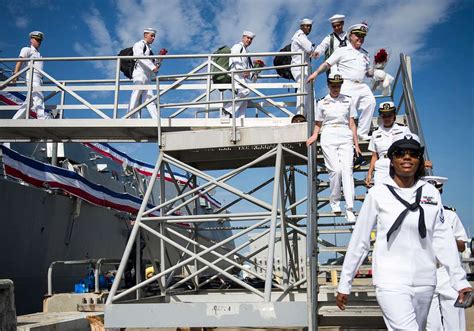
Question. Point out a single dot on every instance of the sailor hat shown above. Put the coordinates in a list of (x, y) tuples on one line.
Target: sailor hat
[(360, 28), (37, 35), (248, 34), (149, 30), (335, 78), (336, 18), (306, 21), (409, 141), (436, 179), (386, 107)]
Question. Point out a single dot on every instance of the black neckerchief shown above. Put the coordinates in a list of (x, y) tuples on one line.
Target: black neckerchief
[(409, 206)]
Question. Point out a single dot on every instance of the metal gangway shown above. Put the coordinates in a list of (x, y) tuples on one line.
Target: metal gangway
[(270, 267)]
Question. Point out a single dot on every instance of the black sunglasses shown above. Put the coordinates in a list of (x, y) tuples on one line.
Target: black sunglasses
[(399, 153)]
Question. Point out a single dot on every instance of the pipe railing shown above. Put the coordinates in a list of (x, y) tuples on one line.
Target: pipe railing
[(71, 86)]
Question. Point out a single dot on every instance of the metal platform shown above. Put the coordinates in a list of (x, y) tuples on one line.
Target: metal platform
[(117, 130)]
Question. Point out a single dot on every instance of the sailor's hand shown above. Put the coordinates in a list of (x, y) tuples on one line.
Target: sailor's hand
[(341, 300), (368, 180), (311, 78), (463, 292), (314, 55), (311, 140), (156, 68), (246, 74), (428, 164), (358, 152)]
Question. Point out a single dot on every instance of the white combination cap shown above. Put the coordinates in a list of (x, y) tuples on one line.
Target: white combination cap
[(149, 30), (335, 78), (386, 106), (361, 28), (306, 21), (248, 34), (437, 179), (37, 35), (336, 18)]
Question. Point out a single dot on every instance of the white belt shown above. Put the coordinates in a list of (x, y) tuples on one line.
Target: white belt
[(335, 126)]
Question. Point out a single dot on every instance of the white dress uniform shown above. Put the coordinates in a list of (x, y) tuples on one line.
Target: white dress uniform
[(353, 64), (337, 144), (142, 74), (380, 141), (37, 105), (239, 63), (301, 43), (404, 266), (443, 315)]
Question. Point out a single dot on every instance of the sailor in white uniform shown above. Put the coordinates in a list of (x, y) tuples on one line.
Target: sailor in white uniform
[(381, 139), (241, 63), (412, 237), (37, 100), (334, 117), (144, 71), (300, 43), (443, 315), (337, 38), (353, 63)]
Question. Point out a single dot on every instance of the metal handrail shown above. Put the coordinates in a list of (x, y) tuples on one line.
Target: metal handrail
[(97, 265)]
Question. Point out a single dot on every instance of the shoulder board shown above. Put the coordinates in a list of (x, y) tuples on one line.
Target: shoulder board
[(375, 129), (401, 124), (449, 208), (345, 95), (320, 99), (364, 51)]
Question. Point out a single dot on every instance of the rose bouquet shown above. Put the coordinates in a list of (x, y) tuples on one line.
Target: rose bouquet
[(381, 58), (163, 51), (258, 64)]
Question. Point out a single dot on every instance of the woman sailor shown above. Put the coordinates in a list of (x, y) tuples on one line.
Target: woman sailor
[(334, 117), (380, 141), (411, 237)]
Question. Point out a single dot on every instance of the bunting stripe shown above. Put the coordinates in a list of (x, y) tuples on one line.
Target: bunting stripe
[(44, 175)]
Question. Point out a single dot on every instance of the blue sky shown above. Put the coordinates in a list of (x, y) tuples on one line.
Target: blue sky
[(437, 34)]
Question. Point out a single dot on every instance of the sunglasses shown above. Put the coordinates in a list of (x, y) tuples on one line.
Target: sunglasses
[(435, 184), (399, 153)]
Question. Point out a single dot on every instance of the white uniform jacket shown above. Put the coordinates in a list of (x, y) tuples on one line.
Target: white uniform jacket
[(351, 63), (32, 53), (300, 43), (145, 66), (406, 259), (335, 111), (241, 62), (324, 45)]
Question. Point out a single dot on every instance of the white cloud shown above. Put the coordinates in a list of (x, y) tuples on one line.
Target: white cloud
[(21, 22), (186, 26)]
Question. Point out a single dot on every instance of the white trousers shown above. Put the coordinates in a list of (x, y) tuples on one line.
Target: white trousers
[(241, 92), (443, 316), (364, 102), (302, 100), (37, 103), (338, 151), (140, 78), (405, 307)]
